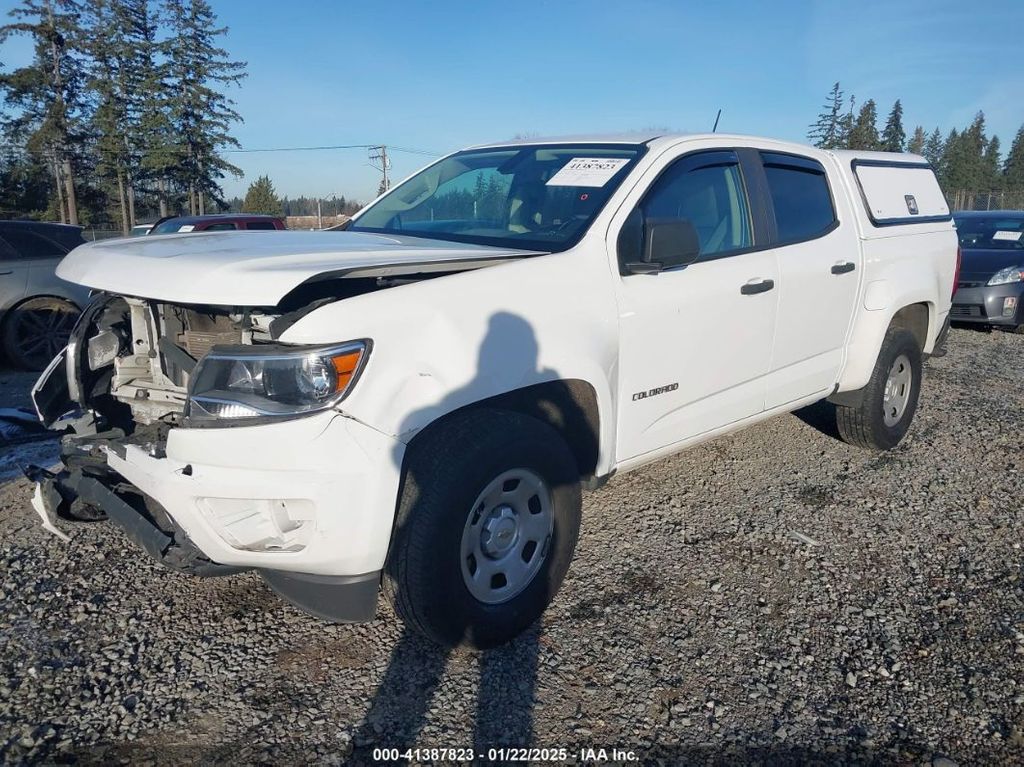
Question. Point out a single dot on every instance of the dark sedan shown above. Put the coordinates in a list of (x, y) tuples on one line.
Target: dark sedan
[(990, 290)]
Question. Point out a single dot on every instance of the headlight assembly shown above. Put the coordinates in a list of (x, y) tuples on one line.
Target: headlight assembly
[(266, 382), (1007, 275)]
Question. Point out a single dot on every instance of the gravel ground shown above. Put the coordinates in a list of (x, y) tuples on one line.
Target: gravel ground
[(773, 596)]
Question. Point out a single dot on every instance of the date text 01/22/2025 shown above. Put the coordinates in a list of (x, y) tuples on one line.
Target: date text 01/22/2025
[(505, 754)]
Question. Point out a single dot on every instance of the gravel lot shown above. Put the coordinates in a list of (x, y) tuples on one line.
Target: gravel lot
[(771, 596)]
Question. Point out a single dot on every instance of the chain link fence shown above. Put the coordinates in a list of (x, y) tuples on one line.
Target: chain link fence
[(1003, 200)]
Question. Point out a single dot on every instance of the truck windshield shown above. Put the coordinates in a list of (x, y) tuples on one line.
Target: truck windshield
[(539, 197)]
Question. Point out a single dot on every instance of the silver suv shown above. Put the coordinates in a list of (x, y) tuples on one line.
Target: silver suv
[(37, 309)]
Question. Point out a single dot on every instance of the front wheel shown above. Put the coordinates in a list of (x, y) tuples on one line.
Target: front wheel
[(889, 400), (485, 529)]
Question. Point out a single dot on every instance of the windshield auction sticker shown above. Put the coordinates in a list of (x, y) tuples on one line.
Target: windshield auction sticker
[(1000, 235), (587, 171)]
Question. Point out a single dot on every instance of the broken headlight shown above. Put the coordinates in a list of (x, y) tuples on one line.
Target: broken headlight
[(259, 382)]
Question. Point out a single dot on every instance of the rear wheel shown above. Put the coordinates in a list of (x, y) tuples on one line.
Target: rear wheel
[(486, 527), (36, 330), (889, 401)]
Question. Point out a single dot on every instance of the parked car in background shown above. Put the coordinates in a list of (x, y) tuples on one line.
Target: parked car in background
[(140, 229), (990, 290), (221, 222), (37, 308)]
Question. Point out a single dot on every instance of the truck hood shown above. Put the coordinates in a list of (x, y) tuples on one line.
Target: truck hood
[(979, 264), (258, 268)]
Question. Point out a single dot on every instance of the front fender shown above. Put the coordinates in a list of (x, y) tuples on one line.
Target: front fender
[(444, 343)]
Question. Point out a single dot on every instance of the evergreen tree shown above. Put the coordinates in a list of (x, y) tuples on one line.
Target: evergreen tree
[(917, 141), (864, 133), (261, 198), (200, 113), (893, 135), (47, 94), (846, 124), (950, 150), (826, 132), (964, 158), (933, 149), (991, 177), (1013, 168), (109, 74)]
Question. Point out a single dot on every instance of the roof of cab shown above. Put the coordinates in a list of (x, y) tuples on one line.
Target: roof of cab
[(654, 140)]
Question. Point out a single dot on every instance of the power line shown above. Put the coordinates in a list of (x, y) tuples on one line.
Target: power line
[(407, 150)]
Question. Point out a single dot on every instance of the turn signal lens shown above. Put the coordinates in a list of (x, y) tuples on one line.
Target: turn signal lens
[(345, 366)]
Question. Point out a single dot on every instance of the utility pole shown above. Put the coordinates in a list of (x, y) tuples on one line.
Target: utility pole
[(319, 215), (380, 154)]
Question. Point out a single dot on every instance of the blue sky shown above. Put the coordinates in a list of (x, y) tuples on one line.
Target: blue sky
[(441, 75)]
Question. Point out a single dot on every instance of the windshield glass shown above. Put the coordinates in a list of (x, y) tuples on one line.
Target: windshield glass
[(992, 232), (527, 197)]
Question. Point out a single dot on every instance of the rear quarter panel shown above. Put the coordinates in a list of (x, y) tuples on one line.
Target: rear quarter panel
[(904, 264)]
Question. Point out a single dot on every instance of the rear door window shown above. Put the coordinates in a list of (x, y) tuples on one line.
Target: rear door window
[(219, 228), (800, 196), (260, 225), (28, 244)]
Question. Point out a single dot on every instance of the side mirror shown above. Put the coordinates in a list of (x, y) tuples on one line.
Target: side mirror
[(668, 243), (648, 246)]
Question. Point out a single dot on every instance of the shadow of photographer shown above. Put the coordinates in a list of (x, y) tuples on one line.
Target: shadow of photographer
[(430, 576)]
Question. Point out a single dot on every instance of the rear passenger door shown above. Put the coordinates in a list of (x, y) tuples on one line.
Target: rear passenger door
[(819, 277), (32, 265), (13, 276)]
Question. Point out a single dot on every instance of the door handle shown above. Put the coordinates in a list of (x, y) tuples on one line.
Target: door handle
[(757, 286), (843, 267)]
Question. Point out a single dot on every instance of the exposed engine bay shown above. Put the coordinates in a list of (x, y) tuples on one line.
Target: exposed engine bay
[(131, 359)]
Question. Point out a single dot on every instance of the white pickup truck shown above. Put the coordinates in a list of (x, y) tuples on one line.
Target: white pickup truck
[(415, 403)]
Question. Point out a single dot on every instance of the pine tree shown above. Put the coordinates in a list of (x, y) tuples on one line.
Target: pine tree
[(917, 141), (949, 158), (261, 198), (1013, 168), (846, 124), (50, 110), (109, 72), (200, 113), (991, 177), (933, 149), (893, 135), (964, 158), (826, 132), (864, 133)]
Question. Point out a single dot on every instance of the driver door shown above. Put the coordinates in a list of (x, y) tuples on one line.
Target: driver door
[(696, 341)]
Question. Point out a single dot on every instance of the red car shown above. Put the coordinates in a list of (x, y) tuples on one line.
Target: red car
[(221, 222)]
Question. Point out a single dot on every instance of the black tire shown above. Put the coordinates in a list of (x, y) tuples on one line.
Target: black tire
[(864, 425), (445, 472), (36, 330)]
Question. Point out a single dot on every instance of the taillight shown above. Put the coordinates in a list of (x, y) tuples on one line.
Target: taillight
[(956, 274)]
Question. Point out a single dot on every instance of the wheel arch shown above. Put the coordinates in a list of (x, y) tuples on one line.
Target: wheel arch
[(569, 406), (916, 314)]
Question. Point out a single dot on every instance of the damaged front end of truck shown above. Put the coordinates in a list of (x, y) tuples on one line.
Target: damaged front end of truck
[(213, 442), (123, 383)]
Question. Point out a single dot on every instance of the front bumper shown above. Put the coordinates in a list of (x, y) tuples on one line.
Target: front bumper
[(984, 304), (312, 495), (308, 502)]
